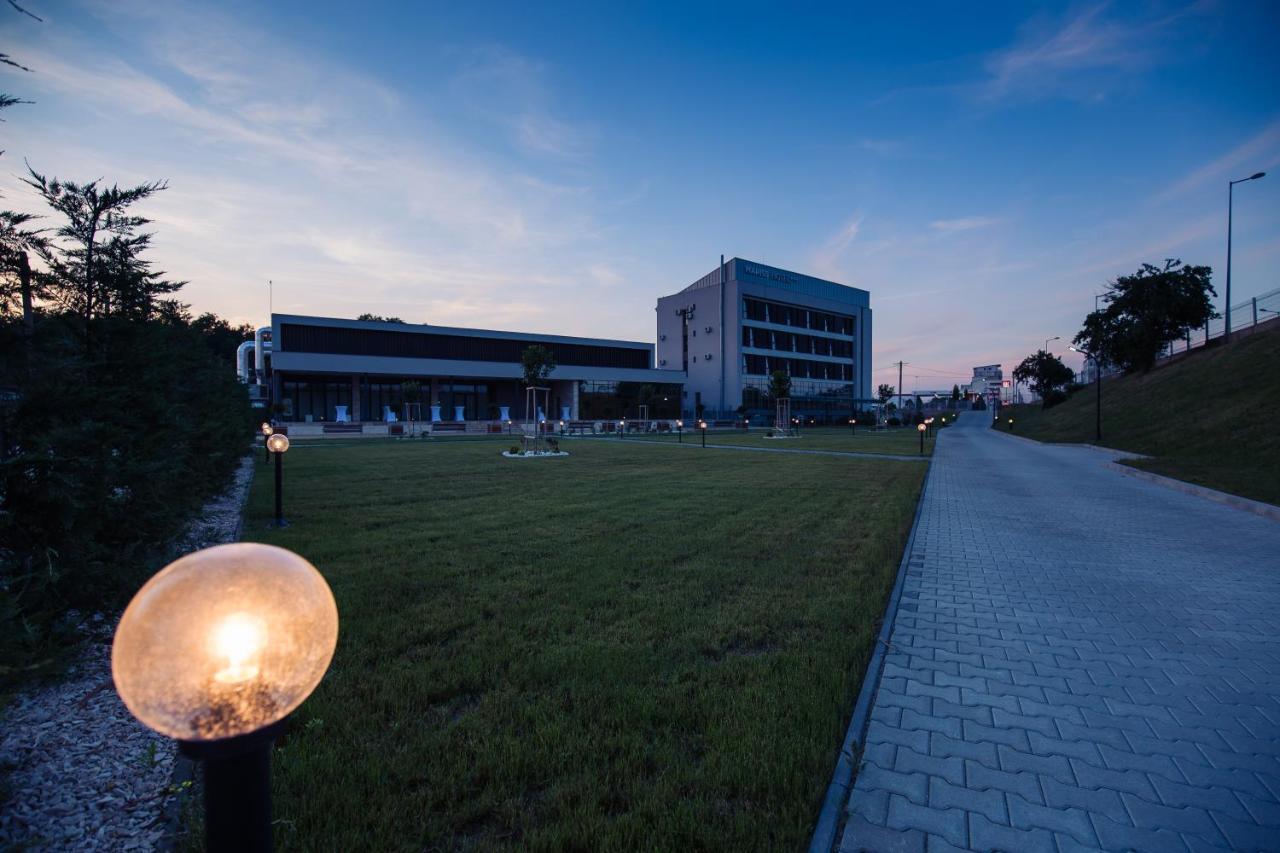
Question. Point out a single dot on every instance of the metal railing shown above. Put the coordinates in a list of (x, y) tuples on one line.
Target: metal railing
[(1263, 308)]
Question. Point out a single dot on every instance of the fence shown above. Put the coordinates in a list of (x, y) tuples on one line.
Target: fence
[(1261, 309)]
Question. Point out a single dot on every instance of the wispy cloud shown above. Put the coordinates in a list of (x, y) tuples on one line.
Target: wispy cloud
[(826, 259), (1051, 57), (964, 223), (1259, 152)]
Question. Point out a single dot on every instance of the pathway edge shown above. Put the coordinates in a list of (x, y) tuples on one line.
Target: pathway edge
[(828, 824), (1265, 510)]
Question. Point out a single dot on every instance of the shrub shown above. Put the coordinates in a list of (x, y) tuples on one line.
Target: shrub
[(104, 456), (893, 421), (515, 448)]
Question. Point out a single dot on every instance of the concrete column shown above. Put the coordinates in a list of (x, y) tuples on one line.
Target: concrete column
[(574, 400)]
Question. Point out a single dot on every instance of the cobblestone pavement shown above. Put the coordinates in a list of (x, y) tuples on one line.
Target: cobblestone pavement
[(1080, 660)]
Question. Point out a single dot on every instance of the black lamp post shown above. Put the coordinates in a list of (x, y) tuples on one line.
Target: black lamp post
[(702, 425), (622, 427), (853, 426), (215, 652), (680, 432), (1097, 381), (267, 430), (920, 429), (1231, 185), (1010, 424), (277, 444)]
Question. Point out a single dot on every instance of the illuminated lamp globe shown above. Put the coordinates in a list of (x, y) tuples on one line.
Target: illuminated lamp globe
[(920, 427), (680, 424), (224, 641), (266, 428), (278, 443)]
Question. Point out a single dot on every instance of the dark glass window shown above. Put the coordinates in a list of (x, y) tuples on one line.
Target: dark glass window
[(381, 342)]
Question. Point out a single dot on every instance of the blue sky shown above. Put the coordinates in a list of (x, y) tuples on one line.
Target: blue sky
[(558, 167)]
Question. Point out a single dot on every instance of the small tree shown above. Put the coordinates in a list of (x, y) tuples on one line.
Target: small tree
[(779, 385), (411, 393), (538, 362), (884, 392), (1147, 311), (955, 393), (1044, 373), (375, 318)]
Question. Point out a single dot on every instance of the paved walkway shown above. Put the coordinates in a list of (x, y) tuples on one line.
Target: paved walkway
[(1080, 660)]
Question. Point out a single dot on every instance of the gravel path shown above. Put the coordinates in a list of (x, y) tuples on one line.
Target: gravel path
[(83, 774)]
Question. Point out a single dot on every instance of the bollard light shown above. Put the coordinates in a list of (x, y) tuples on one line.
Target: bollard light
[(622, 427), (680, 432), (215, 651), (278, 444), (1010, 424)]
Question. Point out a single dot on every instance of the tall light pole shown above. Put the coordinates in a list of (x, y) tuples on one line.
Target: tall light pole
[(1231, 185), (1097, 379), (1054, 338)]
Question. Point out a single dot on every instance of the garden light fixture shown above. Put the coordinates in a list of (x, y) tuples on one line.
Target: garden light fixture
[(680, 432), (215, 651), (266, 433), (702, 425), (277, 444), (920, 428)]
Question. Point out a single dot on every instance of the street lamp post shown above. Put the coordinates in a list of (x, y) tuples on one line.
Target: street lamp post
[(702, 425), (267, 430), (622, 427), (1097, 379), (853, 426), (1054, 338), (920, 428), (215, 651), (277, 444), (680, 432), (1010, 424), (1231, 185)]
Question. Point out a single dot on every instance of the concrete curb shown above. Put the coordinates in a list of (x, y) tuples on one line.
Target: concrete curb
[(833, 805), (1265, 510), (1110, 451)]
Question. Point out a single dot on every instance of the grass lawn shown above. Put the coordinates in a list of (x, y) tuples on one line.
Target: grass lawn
[(632, 647), (1212, 418), (904, 441)]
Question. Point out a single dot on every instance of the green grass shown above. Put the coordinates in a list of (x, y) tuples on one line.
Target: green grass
[(902, 441), (628, 648), (1212, 418)]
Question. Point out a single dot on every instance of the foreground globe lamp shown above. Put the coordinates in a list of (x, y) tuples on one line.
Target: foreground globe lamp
[(702, 425), (920, 428), (267, 430), (278, 444), (215, 651), (680, 432)]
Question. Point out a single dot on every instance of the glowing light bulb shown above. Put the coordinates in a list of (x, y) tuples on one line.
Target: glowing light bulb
[(240, 639)]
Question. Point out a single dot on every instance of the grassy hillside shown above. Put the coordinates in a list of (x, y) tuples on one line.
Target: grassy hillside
[(1212, 418)]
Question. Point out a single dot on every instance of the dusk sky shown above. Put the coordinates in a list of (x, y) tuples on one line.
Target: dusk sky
[(557, 168)]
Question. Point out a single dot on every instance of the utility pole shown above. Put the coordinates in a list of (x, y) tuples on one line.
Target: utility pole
[(899, 389)]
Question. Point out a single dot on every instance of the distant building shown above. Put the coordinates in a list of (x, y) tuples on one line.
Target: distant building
[(325, 369), (733, 327), (989, 384)]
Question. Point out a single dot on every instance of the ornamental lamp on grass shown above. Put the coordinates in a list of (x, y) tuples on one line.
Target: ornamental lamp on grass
[(267, 430), (920, 428), (702, 425), (278, 444), (215, 651), (680, 432)]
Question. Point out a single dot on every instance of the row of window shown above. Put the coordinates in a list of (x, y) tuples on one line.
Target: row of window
[(763, 311), (797, 368), (379, 342), (753, 336)]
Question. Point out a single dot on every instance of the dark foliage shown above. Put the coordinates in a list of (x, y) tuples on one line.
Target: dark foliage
[(1045, 374), (375, 318), (101, 462), (1145, 312)]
